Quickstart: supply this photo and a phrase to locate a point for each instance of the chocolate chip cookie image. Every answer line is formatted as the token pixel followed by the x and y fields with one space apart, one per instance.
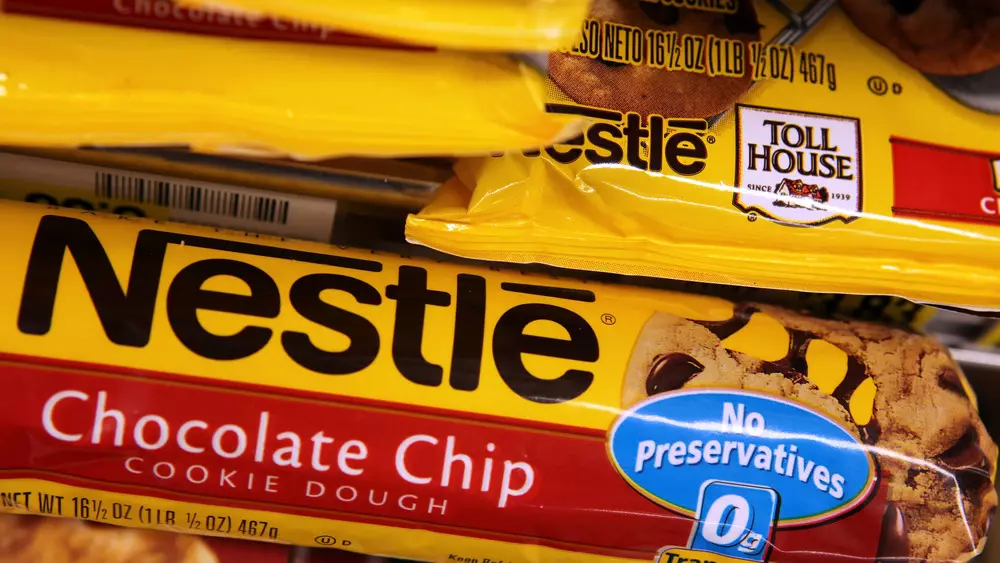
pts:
pixel 897 391
pixel 647 90
pixel 942 37
pixel 35 539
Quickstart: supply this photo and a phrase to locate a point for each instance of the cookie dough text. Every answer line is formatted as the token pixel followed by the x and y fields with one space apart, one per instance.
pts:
pixel 227 454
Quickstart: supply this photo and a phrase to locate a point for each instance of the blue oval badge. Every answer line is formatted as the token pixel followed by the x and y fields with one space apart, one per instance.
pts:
pixel 671 446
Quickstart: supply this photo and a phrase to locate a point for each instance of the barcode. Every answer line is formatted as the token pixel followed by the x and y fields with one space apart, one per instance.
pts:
pixel 188 197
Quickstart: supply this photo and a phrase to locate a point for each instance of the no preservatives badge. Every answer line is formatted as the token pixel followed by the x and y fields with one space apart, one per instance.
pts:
pixel 742 465
pixel 797 168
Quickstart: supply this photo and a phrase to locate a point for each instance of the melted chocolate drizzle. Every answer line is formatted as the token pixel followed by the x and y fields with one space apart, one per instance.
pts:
pixel 732 325
pixel 794 365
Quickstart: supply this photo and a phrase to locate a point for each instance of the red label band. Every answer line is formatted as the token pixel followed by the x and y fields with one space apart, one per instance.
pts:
pixel 944 183
pixel 168 16
pixel 219 443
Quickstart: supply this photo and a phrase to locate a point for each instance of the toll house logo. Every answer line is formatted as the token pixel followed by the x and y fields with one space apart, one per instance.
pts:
pixel 798 168
pixel 798 194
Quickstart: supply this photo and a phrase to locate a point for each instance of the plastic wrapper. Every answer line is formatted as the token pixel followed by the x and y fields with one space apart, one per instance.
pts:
pixel 66 83
pixel 391 183
pixel 825 147
pixel 501 25
pixel 76 185
pixel 205 381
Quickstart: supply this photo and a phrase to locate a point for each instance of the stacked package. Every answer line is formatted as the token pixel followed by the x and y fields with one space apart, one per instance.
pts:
pixel 671 261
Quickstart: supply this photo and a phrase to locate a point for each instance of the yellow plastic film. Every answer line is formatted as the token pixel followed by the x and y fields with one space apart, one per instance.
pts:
pixel 217 382
pixel 67 84
pixel 832 167
pixel 497 25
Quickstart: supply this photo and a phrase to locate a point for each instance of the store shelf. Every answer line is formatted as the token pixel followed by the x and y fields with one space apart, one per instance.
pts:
pixel 979 359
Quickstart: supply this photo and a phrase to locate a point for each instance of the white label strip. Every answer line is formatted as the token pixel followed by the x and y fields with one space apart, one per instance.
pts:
pixel 184 200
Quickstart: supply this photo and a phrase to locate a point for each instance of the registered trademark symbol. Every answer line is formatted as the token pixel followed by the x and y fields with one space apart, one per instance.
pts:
pixel 752 217
pixel 608 319
pixel 711 139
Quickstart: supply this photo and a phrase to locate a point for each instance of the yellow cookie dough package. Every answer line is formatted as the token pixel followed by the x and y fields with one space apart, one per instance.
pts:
pixel 254 87
pixel 220 383
pixel 831 147
pixel 506 25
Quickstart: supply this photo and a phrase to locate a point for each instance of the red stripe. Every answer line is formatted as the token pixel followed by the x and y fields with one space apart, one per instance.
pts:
pixel 287 393
pixel 577 501
pixel 944 183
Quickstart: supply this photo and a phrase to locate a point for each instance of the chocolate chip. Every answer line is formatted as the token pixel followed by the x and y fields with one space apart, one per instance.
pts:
pixel 973 481
pixel 950 380
pixel 967 463
pixel 894 542
pixel 661 13
pixel 744 21
pixel 905 7
pixel 670 372
pixel 871 432
pixel 965 452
